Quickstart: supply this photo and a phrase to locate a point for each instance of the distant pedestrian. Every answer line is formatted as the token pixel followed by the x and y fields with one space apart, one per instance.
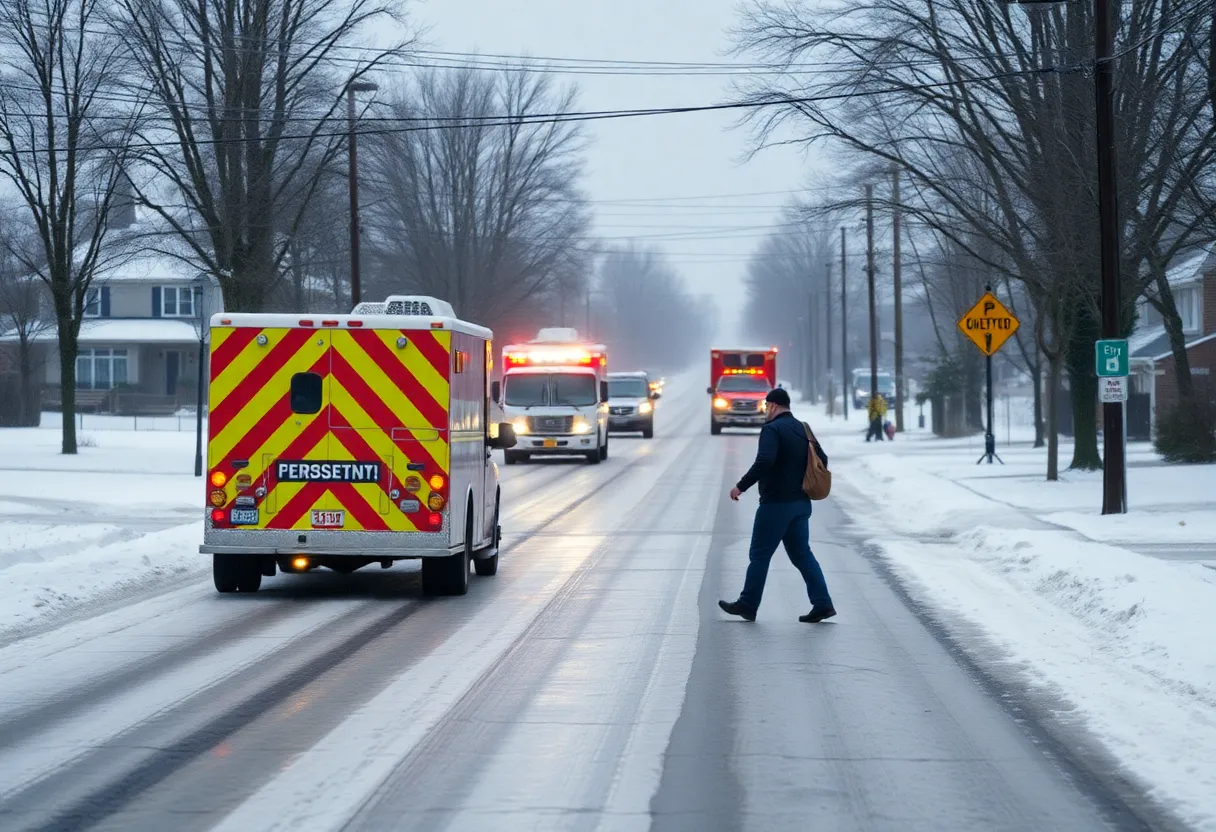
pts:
pixel 784 513
pixel 876 411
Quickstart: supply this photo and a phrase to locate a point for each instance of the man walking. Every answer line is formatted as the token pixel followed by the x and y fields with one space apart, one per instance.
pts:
pixel 784 513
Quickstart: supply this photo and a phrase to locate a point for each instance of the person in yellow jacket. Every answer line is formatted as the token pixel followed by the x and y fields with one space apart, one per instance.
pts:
pixel 876 411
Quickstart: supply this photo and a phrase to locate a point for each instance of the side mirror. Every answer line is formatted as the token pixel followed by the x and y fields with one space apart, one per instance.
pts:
pixel 506 437
pixel 603 391
pixel 496 391
pixel 709 391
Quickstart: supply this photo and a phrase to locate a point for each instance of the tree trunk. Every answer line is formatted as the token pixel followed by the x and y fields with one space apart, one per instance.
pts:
pixel 1036 378
pixel 1053 418
pixel 67 383
pixel 1083 384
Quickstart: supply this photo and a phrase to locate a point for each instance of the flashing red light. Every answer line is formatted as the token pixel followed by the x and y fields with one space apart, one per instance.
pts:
pixel 436 520
pixel 354 323
pixel 556 357
pixel 217 516
pixel 749 371
pixel 226 321
pixel 306 322
pixel 436 324
pixel 329 323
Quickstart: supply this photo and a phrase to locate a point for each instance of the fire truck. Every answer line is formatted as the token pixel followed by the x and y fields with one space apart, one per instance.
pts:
pixel 554 393
pixel 340 441
pixel 739 379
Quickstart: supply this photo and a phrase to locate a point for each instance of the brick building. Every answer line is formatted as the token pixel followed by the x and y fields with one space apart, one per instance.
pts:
pixel 1154 371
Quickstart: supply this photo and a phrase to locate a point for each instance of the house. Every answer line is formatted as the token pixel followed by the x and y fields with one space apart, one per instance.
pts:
pixel 1192 280
pixel 139 346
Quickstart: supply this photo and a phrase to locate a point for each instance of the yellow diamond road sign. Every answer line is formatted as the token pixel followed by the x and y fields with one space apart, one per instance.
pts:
pixel 989 324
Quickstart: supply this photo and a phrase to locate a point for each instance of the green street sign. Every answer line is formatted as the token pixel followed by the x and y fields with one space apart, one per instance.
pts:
pixel 1111 358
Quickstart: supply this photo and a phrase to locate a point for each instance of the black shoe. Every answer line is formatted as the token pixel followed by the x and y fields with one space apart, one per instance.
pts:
pixel 816 615
pixel 735 608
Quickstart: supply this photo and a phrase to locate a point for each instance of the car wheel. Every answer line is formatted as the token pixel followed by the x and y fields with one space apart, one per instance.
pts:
pixel 604 450
pixel 648 431
pixel 714 427
pixel 225 572
pixel 488 566
pixel 249 578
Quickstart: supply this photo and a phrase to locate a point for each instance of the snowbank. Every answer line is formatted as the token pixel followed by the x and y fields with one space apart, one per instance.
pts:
pixel 1123 640
pixel 32 593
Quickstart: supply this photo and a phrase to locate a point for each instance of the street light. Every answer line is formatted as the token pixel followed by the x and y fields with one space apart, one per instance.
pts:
pixel 353 87
pixel 198 290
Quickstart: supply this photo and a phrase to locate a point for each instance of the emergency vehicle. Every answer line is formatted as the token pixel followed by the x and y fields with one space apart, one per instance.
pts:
pixel 739 379
pixel 554 393
pixel 346 440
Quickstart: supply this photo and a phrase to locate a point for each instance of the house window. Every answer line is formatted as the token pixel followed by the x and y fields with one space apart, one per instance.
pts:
pixel 92 303
pixel 101 369
pixel 1189 310
pixel 177 302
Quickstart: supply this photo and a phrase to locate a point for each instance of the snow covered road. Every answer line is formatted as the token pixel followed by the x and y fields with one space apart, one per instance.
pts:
pixel 592 684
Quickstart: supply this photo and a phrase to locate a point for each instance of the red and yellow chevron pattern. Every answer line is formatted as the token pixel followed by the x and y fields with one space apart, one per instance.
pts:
pixel 384 399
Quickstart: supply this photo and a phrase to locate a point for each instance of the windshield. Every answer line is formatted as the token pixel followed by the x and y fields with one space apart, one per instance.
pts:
pixel 628 388
pixel 526 391
pixel 572 390
pixel 884 381
pixel 743 384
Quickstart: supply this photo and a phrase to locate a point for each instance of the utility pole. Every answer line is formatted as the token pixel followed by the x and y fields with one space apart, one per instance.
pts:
pixel 1114 462
pixel 811 366
pixel 899 315
pixel 870 281
pixel 827 320
pixel 356 288
pixel 844 333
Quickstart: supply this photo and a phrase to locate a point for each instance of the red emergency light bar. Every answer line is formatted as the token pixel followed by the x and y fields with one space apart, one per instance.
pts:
pixel 750 371
pixel 559 357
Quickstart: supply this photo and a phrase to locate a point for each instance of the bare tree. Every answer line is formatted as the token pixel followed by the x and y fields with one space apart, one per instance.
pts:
pixel 62 146
pixel 249 93
pixel 649 316
pixel 23 321
pixel 965 95
pixel 481 203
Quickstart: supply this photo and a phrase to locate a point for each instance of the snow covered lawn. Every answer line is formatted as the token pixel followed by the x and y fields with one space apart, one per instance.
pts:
pixel 1123 641
pixel 122 516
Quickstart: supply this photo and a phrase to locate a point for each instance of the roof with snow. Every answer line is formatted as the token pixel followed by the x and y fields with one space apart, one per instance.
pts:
pixel 127 331
pixel 1190 265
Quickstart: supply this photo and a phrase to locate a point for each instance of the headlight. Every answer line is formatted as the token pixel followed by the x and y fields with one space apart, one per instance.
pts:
pixel 581 426
pixel 521 427
pixel 721 403
pixel 645 407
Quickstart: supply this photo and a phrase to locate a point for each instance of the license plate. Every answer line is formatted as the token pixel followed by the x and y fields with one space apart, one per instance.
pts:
pixel 243 517
pixel 328 519
pixel 550 443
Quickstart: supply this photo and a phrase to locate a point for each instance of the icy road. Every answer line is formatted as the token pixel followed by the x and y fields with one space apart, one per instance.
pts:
pixel 593 684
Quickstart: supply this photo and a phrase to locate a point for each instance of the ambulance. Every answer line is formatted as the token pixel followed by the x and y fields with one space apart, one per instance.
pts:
pixel 554 393
pixel 739 380
pixel 340 441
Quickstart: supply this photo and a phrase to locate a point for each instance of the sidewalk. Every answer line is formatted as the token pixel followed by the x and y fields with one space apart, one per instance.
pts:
pixel 1103 614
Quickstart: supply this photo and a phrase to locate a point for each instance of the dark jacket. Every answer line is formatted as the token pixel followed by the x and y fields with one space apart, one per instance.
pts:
pixel 781 461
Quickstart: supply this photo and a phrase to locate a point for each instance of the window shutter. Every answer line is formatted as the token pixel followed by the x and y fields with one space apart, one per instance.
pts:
pixel 105 301
pixel 155 301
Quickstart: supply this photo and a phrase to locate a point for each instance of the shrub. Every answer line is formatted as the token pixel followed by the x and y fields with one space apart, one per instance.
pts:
pixel 1187 432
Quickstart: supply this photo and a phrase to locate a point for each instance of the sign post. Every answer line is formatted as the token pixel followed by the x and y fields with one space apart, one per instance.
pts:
pixel 1112 366
pixel 989 325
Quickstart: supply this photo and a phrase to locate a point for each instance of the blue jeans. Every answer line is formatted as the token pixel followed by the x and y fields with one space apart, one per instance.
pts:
pixel 787 523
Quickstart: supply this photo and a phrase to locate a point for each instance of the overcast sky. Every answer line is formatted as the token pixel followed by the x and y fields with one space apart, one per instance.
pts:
pixel 678 181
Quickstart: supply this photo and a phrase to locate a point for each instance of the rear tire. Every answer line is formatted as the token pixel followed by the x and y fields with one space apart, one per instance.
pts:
pixel 250 577
pixel 225 572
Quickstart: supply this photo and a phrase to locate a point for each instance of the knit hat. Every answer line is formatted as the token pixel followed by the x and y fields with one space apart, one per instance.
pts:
pixel 778 396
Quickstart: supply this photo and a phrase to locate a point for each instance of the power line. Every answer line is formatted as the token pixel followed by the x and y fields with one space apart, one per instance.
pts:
pixel 469 122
